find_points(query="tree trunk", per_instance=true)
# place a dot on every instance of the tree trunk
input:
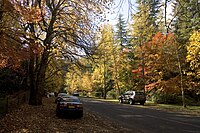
(182, 89)
(34, 97)
(104, 94)
(118, 88)
(143, 72)
(181, 73)
(37, 70)
(39, 63)
(104, 75)
(116, 72)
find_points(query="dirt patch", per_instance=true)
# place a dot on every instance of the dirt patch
(43, 119)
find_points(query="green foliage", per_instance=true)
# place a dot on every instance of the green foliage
(112, 94)
(168, 98)
(121, 33)
(11, 81)
(187, 19)
(145, 21)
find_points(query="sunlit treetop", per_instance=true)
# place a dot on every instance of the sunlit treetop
(67, 26)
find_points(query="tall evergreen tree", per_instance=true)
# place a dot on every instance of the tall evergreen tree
(145, 26)
(121, 33)
(123, 58)
(146, 20)
(152, 9)
(187, 18)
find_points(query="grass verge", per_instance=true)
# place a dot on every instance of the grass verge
(194, 110)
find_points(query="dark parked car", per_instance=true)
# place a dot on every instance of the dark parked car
(69, 106)
(132, 97)
(59, 96)
(76, 94)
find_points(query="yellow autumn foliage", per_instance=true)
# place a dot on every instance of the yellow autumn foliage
(193, 52)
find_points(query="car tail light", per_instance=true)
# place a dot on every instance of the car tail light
(79, 106)
(61, 106)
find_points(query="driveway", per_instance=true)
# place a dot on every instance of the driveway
(146, 120)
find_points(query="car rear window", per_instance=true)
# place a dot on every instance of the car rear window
(70, 100)
(139, 93)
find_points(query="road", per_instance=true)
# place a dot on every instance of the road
(144, 119)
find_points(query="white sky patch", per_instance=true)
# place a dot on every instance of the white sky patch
(124, 8)
(170, 11)
(118, 8)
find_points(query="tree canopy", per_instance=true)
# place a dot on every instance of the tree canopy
(54, 44)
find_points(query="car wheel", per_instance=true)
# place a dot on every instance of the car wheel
(131, 102)
(80, 115)
(120, 100)
(141, 103)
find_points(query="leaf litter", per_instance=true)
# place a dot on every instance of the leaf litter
(43, 119)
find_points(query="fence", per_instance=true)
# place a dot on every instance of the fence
(12, 102)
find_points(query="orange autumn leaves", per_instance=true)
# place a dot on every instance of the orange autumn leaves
(14, 50)
(12, 53)
(30, 14)
(153, 53)
(34, 14)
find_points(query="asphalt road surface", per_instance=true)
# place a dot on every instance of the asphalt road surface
(144, 119)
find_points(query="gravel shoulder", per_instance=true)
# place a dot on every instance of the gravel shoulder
(43, 119)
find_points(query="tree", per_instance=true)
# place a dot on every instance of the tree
(193, 57)
(193, 54)
(12, 52)
(140, 26)
(187, 19)
(186, 14)
(104, 59)
(146, 19)
(55, 74)
(13, 57)
(121, 33)
(73, 78)
(51, 27)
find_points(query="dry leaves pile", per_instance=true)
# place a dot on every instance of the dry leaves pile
(43, 119)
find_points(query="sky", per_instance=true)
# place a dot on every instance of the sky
(118, 8)
(123, 8)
